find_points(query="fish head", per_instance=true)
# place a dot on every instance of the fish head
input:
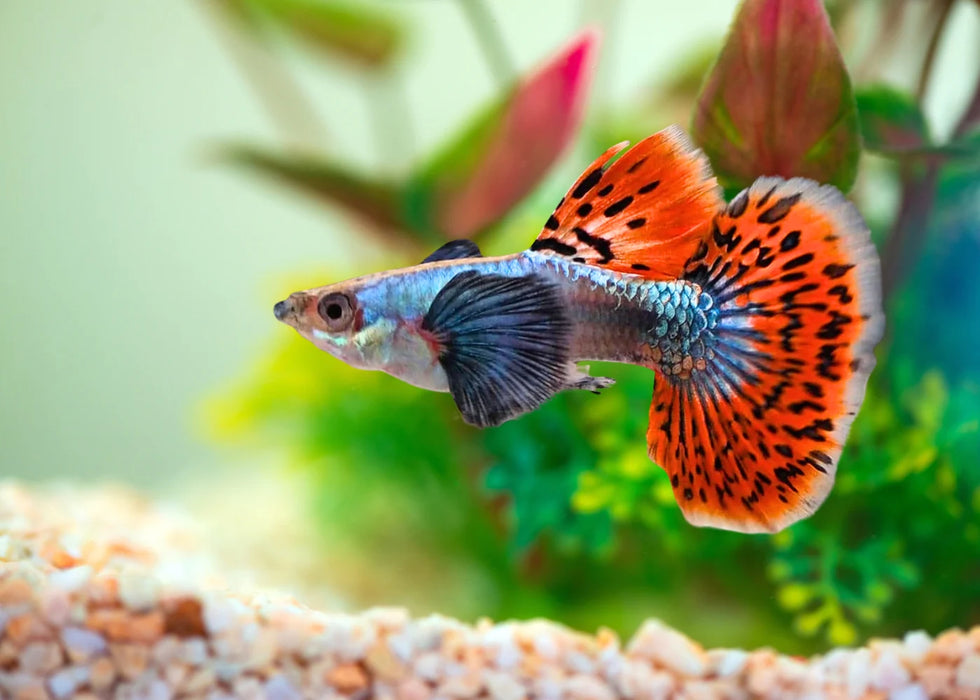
(361, 323)
(333, 319)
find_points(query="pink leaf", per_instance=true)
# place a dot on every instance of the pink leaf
(514, 143)
(778, 100)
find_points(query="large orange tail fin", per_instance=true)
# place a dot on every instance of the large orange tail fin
(752, 438)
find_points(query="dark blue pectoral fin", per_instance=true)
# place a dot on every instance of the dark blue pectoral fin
(454, 250)
(505, 344)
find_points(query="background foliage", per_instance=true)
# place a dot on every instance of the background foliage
(561, 513)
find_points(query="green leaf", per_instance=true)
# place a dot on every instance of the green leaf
(841, 632)
(507, 149)
(376, 201)
(795, 596)
(352, 31)
(778, 100)
(540, 477)
(892, 123)
(890, 119)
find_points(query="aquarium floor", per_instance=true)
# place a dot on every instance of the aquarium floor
(105, 594)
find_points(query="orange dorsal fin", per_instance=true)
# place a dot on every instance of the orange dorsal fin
(644, 214)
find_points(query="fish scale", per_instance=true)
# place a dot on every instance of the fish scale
(663, 318)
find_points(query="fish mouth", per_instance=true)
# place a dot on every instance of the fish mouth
(283, 310)
(290, 310)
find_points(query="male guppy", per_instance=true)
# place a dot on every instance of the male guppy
(759, 318)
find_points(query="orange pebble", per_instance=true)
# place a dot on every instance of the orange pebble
(347, 678)
(185, 618)
(15, 590)
(102, 673)
(147, 627)
(25, 627)
(119, 625)
(109, 622)
(104, 590)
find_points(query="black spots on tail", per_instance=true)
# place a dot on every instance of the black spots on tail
(779, 210)
(798, 261)
(794, 285)
(836, 271)
(790, 241)
(738, 205)
(726, 238)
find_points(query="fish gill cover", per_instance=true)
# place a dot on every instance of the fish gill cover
(561, 513)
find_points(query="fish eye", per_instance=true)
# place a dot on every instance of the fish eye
(335, 310)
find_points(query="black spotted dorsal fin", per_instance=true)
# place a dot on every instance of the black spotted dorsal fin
(645, 214)
(455, 250)
(504, 344)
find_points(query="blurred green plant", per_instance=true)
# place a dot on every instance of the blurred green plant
(561, 512)
(345, 29)
(475, 178)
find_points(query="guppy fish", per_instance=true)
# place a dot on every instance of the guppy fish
(759, 319)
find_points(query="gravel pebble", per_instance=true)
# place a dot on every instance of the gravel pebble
(888, 673)
(909, 692)
(381, 662)
(916, 645)
(40, 658)
(91, 616)
(65, 682)
(138, 592)
(463, 686)
(581, 687)
(429, 666)
(413, 689)
(668, 648)
(968, 672)
(102, 674)
(727, 662)
(281, 688)
(502, 686)
(70, 580)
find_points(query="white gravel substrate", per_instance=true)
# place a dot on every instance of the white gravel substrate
(104, 595)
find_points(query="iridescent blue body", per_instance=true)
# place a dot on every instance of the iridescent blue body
(615, 317)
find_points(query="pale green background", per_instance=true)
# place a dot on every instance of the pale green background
(137, 276)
